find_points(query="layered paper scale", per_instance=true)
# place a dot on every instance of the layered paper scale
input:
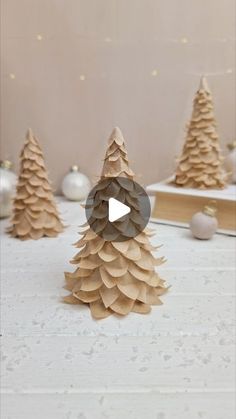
(200, 165)
(34, 211)
(115, 276)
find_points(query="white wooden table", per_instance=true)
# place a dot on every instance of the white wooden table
(176, 363)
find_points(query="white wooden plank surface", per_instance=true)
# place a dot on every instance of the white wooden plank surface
(115, 405)
(177, 362)
(93, 363)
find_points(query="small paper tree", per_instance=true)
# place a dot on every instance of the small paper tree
(200, 165)
(34, 211)
(115, 277)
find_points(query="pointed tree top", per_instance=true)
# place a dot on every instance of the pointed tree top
(30, 138)
(116, 160)
(116, 136)
(29, 134)
(203, 84)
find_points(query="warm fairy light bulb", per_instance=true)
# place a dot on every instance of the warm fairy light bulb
(12, 76)
(154, 73)
(184, 40)
(82, 77)
(39, 37)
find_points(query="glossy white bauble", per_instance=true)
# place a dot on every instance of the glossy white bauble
(8, 181)
(76, 186)
(203, 226)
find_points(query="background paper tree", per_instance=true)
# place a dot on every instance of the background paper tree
(200, 165)
(115, 277)
(34, 211)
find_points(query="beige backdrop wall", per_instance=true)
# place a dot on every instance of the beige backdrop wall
(72, 69)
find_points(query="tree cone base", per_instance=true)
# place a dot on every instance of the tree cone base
(199, 185)
(34, 234)
(99, 311)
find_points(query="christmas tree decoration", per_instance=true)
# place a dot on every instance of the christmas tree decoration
(8, 181)
(204, 224)
(75, 185)
(116, 269)
(230, 162)
(201, 162)
(34, 211)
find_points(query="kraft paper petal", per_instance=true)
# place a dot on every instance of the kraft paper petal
(96, 245)
(139, 273)
(90, 235)
(110, 232)
(91, 262)
(101, 211)
(87, 296)
(82, 273)
(141, 308)
(118, 267)
(107, 279)
(129, 186)
(70, 282)
(36, 234)
(70, 299)
(98, 310)
(148, 295)
(48, 232)
(142, 238)
(154, 280)
(123, 305)
(122, 247)
(23, 227)
(129, 290)
(109, 295)
(77, 286)
(108, 253)
(134, 251)
(92, 283)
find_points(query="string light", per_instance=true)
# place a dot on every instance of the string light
(154, 73)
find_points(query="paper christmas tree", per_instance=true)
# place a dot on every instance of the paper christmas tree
(34, 211)
(200, 165)
(115, 277)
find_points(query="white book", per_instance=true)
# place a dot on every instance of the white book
(176, 205)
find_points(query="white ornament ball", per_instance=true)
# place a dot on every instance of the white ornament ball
(230, 162)
(8, 181)
(75, 185)
(203, 225)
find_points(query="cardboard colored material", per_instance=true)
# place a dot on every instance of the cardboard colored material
(34, 211)
(200, 165)
(115, 277)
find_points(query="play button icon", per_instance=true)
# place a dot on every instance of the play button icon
(116, 210)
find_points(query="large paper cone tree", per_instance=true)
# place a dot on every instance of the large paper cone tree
(200, 165)
(34, 211)
(112, 276)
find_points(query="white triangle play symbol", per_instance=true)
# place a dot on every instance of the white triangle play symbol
(116, 210)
